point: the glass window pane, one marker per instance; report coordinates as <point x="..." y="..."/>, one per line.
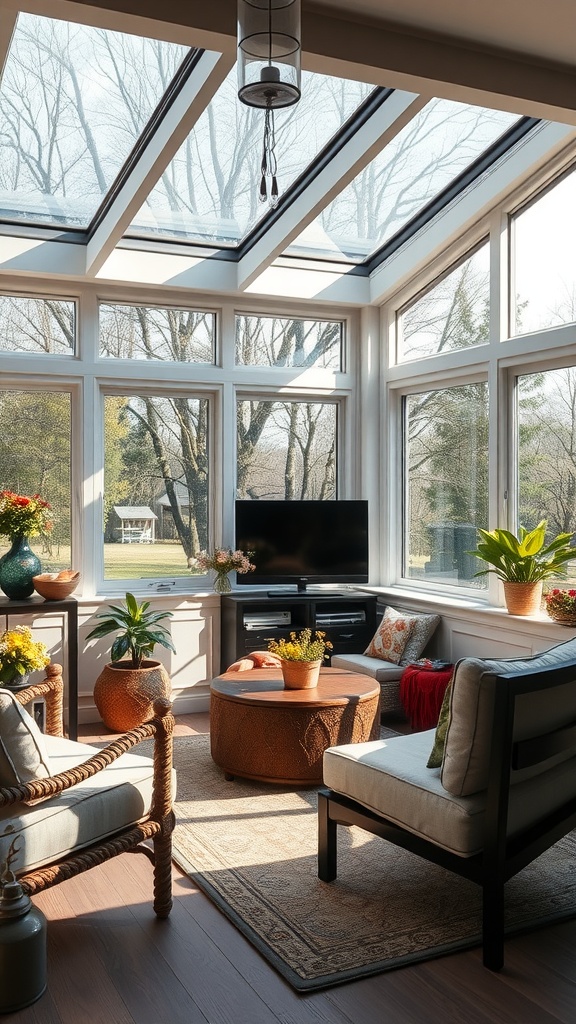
<point x="446" y="458"/>
<point x="544" y="286"/>
<point x="74" y="100"/>
<point x="453" y="314"/>
<point x="546" y="409"/>
<point x="148" y="332"/>
<point x="209" y="192"/>
<point x="37" y="325"/>
<point x="155" y="484"/>
<point x="283" y="341"/>
<point x="426" y="155"/>
<point x="286" y="449"/>
<point x="35" y="459"/>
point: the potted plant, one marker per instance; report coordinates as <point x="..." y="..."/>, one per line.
<point x="301" y="657"/>
<point x="523" y="563"/>
<point x="20" y="654"/>
<point x="125" y="690"/>
<point x="561" y="606"/>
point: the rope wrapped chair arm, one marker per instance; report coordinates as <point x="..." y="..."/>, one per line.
<point x="160" y="727"/>
<point x="51" y="690"/>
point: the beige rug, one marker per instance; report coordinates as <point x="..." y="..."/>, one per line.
<point x="252" y="849"/>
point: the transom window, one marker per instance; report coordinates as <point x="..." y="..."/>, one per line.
<point x="283" y="341"/>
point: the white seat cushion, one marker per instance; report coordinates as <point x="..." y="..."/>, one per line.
<point x="119" y="795"/>
<point x="381" y="671"/>
<point x="390" y="778"/>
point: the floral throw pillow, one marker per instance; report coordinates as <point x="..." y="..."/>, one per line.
<point x="391" y="637"/>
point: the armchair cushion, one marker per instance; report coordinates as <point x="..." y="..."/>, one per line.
<point x="23" y="752"/>
<point x="84" y="814"/>
<point x="466" y="754"/>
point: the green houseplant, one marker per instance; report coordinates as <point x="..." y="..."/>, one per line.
<point x="523" y="562"/>
<point x="125" y="690"/>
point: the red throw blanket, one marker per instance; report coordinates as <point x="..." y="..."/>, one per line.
<point x="422" y="692"/>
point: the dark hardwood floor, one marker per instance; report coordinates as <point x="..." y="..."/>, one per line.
<point x="111" y="961"/>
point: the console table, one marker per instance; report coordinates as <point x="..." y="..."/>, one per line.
<point x="37" y="605"/>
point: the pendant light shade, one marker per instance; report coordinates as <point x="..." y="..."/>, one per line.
<point x="269" y="53"/>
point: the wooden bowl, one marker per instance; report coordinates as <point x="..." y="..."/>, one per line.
<point x="53" y="589"/>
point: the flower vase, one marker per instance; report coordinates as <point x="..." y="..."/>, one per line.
<point x="17" y="568"/>
<point x="222" y="583"/>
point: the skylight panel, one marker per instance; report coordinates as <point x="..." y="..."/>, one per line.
<point x="74" y="101"/>
<point x="209" y="192"/>
<point x="438" y="144"/>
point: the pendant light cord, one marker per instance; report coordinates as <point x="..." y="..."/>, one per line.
<point x="269" y="166"/>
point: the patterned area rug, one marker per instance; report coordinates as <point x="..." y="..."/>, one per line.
<point x="252" y="849"/>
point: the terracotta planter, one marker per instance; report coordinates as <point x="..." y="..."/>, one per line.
<point x="301" y="675"/>
<point x="125" y="696"/>
<point x="523" y="598"/>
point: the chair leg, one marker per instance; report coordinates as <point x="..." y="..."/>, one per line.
<point x="327" y="841"/>
<point x="493" y="925"/>
<point x="162" y="875"/>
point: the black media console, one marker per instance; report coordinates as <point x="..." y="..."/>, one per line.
<point x="250" y="620"/>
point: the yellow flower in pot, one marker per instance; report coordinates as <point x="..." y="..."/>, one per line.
<point x="301" y="657"/>
<point x="125" y="690"/>
<point x="20" y="654"/>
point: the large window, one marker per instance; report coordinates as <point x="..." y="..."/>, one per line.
<point x="35" y="459"/>
<point x="544" y="279"/>
<point x="446" y="483"/>
<point x="156" y="482"/>
<point x="546" y="410"/>
<point x="453" y="314"/>
<point x="283" y="341"/>
<point x="147" y="332"/>
<point x="286" y="449"/>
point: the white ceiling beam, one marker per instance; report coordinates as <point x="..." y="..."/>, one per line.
<point x="40" y="257"/>
<point x="189" y="270"/>
<point x="364" y="145"/>
<point x="175" y="126"/>
<point x="465" y="211"/>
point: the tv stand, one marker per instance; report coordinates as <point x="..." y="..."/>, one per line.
<point x="250" y="620"/>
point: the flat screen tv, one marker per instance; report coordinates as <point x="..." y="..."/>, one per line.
<point x="303" y="542"/>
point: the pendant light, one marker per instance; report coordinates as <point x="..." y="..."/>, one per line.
<point x="269" y="71"/>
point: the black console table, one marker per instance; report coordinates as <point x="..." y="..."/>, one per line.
<point x="250" y="620"/>
<point x="37" y="605"/>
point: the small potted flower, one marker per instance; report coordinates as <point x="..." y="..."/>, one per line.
<point x="561" y="606"/>
<point x="301" y="656"/>
<point x="20" y="654"/>
<point x="21" y="516"/>
<point x="222" y="561"/>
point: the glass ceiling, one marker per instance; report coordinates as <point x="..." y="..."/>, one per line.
<point x="79" y="105"/>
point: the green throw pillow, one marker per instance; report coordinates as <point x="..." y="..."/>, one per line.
<point x="435" y="759"/>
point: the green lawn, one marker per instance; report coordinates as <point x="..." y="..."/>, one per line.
<point x="124" y="561"/>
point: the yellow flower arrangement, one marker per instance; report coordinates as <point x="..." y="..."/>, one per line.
<point x="20" y="654"/>
<point x="303" y="647"/>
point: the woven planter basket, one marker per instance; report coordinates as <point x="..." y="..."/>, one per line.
<point x="523" y="598"/>
<point x="564" y="618"/>
<point x="125" y="696"/>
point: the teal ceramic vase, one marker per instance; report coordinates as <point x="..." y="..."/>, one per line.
<point x="17" y="568"/>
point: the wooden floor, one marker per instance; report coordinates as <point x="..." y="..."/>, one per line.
<point x="112" y="962"/>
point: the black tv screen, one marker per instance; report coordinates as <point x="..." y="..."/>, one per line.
<point x="303" y="542"/>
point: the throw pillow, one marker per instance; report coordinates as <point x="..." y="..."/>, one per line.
<point x="437" y="753"/>
<point x="424" y="627"/>
<point x="23" y="755"/>
<point x="391" y="637"/>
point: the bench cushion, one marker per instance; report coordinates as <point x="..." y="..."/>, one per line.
<point x="381" y="671"/>
<point x="112" y="799"/>
<point x="467" y="747"/>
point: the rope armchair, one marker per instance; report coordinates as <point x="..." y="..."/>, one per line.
<point x="90" y="804"/>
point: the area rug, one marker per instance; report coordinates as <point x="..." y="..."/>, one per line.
<point x="251" y="848"/>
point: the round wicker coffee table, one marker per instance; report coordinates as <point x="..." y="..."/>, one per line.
<point x="259" y="730"/>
